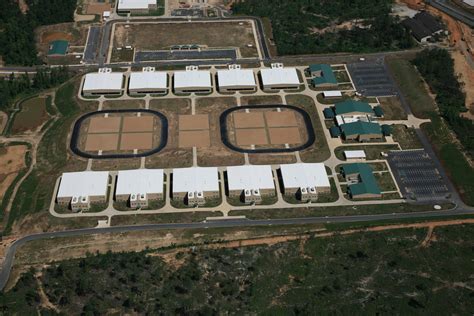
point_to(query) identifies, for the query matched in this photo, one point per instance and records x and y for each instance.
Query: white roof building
(192, 79)
(236, 78)
(140, 181)
(304, 175)
(148, 80)
(332, 94)
(83, 184)
(250, 177)
(279, 76)
(135, 4)
(354, 154)
(103, 81)
(195, 179)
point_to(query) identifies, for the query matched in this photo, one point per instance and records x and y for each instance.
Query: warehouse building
(148, 81)
(423, 26)
(138, 187)
(136, 6)
(361, 131)
(352, 107)
(305, 180)
(236, 79)
(79, 190)
(58, 48)
(196, 184)
(103, 82)
(192, 80)
(323, 75)
(363, 183)
(250, 182)
(279, 78)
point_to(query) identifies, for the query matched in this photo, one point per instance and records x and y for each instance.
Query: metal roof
(304, 175)
(327, 74)
(140, 181)
(367, 182)
(279, 76)
(148, 80)
(195, 179)
(354, 154)
(332, 94)
(86, 183)
(236, 77)
(135, 4)
(103, 81)
(250, 177)
(352, 106)
(193, 78)
(361, 128)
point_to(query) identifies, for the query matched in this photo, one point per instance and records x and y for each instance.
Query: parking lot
(197, 13)
(417, 175)
(230, 54)
(371, 78)
(92, 45)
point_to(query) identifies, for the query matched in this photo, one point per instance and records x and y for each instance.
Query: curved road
(10, 254)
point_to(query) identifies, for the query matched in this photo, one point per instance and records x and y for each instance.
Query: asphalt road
(10, 254)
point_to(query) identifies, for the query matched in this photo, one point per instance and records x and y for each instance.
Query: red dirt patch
(97, 8)
(189, 139)
(193, 122)
(280, 119)
(284, 135)
(137, 124)
(247, 120)
(251, 136)
(48, 37)
(136, 141)
(104, 125)
(105, 142)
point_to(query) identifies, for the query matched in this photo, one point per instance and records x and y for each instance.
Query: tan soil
(199, 139)
(3, 121)
(12, 161)
(48, 37)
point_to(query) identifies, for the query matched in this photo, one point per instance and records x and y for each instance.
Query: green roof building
(58, 48)
(351, 107)
(323, 75)
(367, 186)
(361, 131)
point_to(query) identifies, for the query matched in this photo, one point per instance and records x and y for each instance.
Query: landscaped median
(314, 211)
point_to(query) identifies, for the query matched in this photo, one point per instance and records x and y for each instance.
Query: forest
(370, 273)
(297, 25)
(17, 40)
(13, 86)
(437, 68)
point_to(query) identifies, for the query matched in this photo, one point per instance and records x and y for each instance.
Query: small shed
(378, 111)
(355, 155)
(335, 131)
(328, 113)
(386, 130)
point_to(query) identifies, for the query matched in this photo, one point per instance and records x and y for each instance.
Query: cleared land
(158, 36)
(105, 142)
(193, 122)
(138, 124)
(284, 135)
(248, 120)
(251, 136)
(32, 115)
(132, 141)
(12, 161)
(199, 139)
(104, 125)
(392, 108)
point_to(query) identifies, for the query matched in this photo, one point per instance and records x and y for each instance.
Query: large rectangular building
(361, 131)
(363, 183)
(196, 184)
(103, 82)
(250, 183)
(236, 79)
(136, 6)
(79, 189)
(140, 186)
(148, 82)
(279, 78)
(192, 80)
(305, 180)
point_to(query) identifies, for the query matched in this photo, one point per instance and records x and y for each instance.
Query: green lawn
(412, 86)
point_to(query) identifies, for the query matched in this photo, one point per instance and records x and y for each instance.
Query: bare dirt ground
(72, 32)
(3, 121)
(12, 161)
(23, 6)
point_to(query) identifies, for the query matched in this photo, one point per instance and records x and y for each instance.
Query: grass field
(319, 151)
(412, 86)
(156, 36)
(386, 272)
(372, 152)
(406, 137)
(33, 113)
(140, 219)
(34, 194)
(392, 108)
